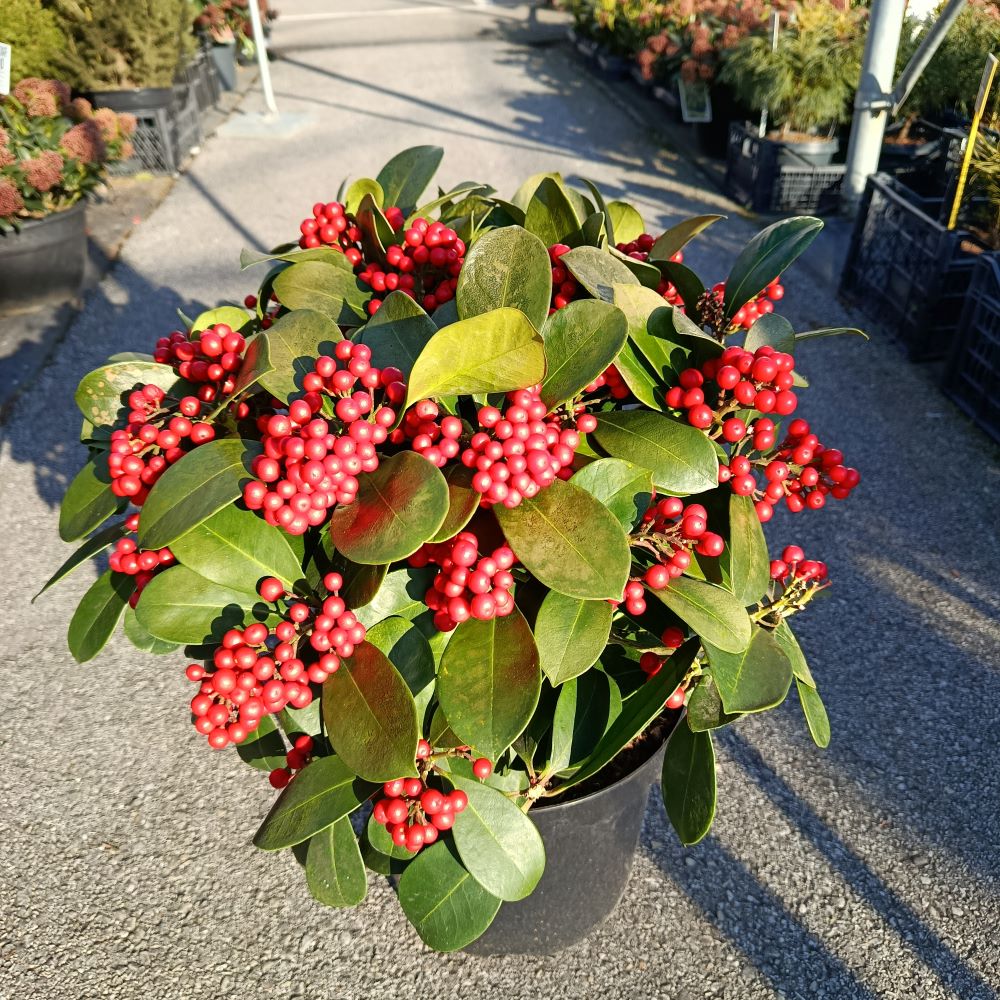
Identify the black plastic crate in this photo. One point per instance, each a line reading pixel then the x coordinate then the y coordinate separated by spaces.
pixel 906 270
pixel 200 75
pixel 972 379
pixel 757 179
pixel 165 133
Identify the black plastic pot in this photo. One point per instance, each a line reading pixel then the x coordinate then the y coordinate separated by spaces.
pixel 44 263
pixel 139 100
pixel 713 136
pixel 224 61
pixel 612 66
pixel 589 848
pixel 813 153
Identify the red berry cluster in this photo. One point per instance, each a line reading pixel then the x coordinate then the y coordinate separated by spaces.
pixel 425 266
pixel 652 663
pixel 761 380
pixel 639 249
pixel 143 564
pixel 151 440
pixel 259 670
pixel 611 380
pixel 671 529
pixel 565 288
pixel 211 357
pixel 763 304
pixel 520 450
pixel 437 440
pixel 311 463
pixel 467 585
pixel 330 225
pixel 793 565
pixel 295 760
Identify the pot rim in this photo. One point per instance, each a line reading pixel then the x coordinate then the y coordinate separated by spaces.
pixel 78 206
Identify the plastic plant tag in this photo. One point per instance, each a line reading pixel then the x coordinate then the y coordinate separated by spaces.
pixel 5 51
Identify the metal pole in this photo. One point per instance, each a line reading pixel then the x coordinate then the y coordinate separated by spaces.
pixel 262 63
pixel 870 103
pixel 925 52
pixel 762 130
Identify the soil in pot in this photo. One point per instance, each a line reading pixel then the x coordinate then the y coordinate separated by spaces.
pixel 799 149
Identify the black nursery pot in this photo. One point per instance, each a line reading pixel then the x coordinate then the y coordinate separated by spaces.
pixel 44 262
pixel 590 845
pixel 137 100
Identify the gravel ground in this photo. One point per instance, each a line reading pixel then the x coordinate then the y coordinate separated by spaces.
pixel 866 871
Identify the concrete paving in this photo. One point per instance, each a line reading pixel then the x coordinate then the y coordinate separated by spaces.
pixel 866 871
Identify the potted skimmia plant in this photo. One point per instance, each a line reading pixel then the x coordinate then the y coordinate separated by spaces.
pixel 460 523
pixel 53 152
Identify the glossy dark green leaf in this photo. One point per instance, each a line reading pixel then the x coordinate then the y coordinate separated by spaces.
pixel 90 548
pixel 766 256
pixel 787 641
pixel 584 711
pixel 704 707
pixel 640 305
pixel 180 605
pixel 581 340
pixel 602 207
pixel 570 541
pixel 448 908
pixel 593 233
pixel 399 506
pixel 571 634
pixel 335 873
pixel 625 489
pixel 323 287
pixel 815 713
pixel 688 286
pixel 289 349
pixel 293 255
pixel 236 548
pixel 142 639
pixel 357 190
pixel 232 316
pixel 597 271
pixel 99 394
pixel 680 457
pixel 405 177
pixel 831 331
pixel 410 653
pixel 625 220
pixel 402 593
pixel 301 721
pixel 88 502
pixel 316 798
pixel 370 717
pixel 376 230
pixel 397 333
pixel 265 747
pixel 463 501
pixel 463 192
pixel 747 560
pixel 638 712
pixel 550 214
pixel 644 382
pixel 717 616
pixel 445 314
pixel 381 840
pixel 496 352
pixel 772 330
pixel 98 614
pixel 677 237
pixel 498 844
pixel 755 679
pixel 689 784
pixel 527 190
pixel 489 680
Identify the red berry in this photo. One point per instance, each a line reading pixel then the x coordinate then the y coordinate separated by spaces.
pixel 482 768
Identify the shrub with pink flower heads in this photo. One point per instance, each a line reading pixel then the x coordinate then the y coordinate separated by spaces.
pixel 43 172
pixel 84 142
pixel 42 98
pixel 10 199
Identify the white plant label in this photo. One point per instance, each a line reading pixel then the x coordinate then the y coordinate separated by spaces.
pixel 4 68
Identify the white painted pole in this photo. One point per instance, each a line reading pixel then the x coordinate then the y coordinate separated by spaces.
pixel 262 63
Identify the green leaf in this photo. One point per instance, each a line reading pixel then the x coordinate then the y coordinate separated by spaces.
pixel 580 342
pixel 142 639
pixel 831 331
pixel 237 549
pixel 570 541
pixel 232 316
pixel 463 192
pixel 98 614
pixel 90 548
pixel 625 221
pixel 688 286
pixel 448 908
pixel 815 712
pixel 301 721
pixel 550 214
pixel 399 506
pixel 765 257
pixel 406 176
pixel 712 612
pixel 603 208
pixel 88 502
pixel 506 267
pixel 571 635
pixel 501 848
pixel 645 384
pixel 597 271
pixel 689 784
pixel 772 330
pixel 526 191
pixel 264 748
pixel 787 641
pixel 288 350
pixel 640 305
pixel 402 593
pixel 99 394
pixel 335 873
pixel 677 237
pixel 582 715
pixel 638 712
pixel 410 653
pixel 463 501
pixel 625 489
pixel 489 680
pixel 357 191
pixel 755 679
pixel 749 564
pixel 704 707
pixel 376 232
pixel 180 605
pixel 194 488
pixel 370 717
pixel 323 287
pixel 496 352
pixel 648 274
pixel 397 333
pixel 328 255
pixel 680 457
pixel 314 799
pixel 445 314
